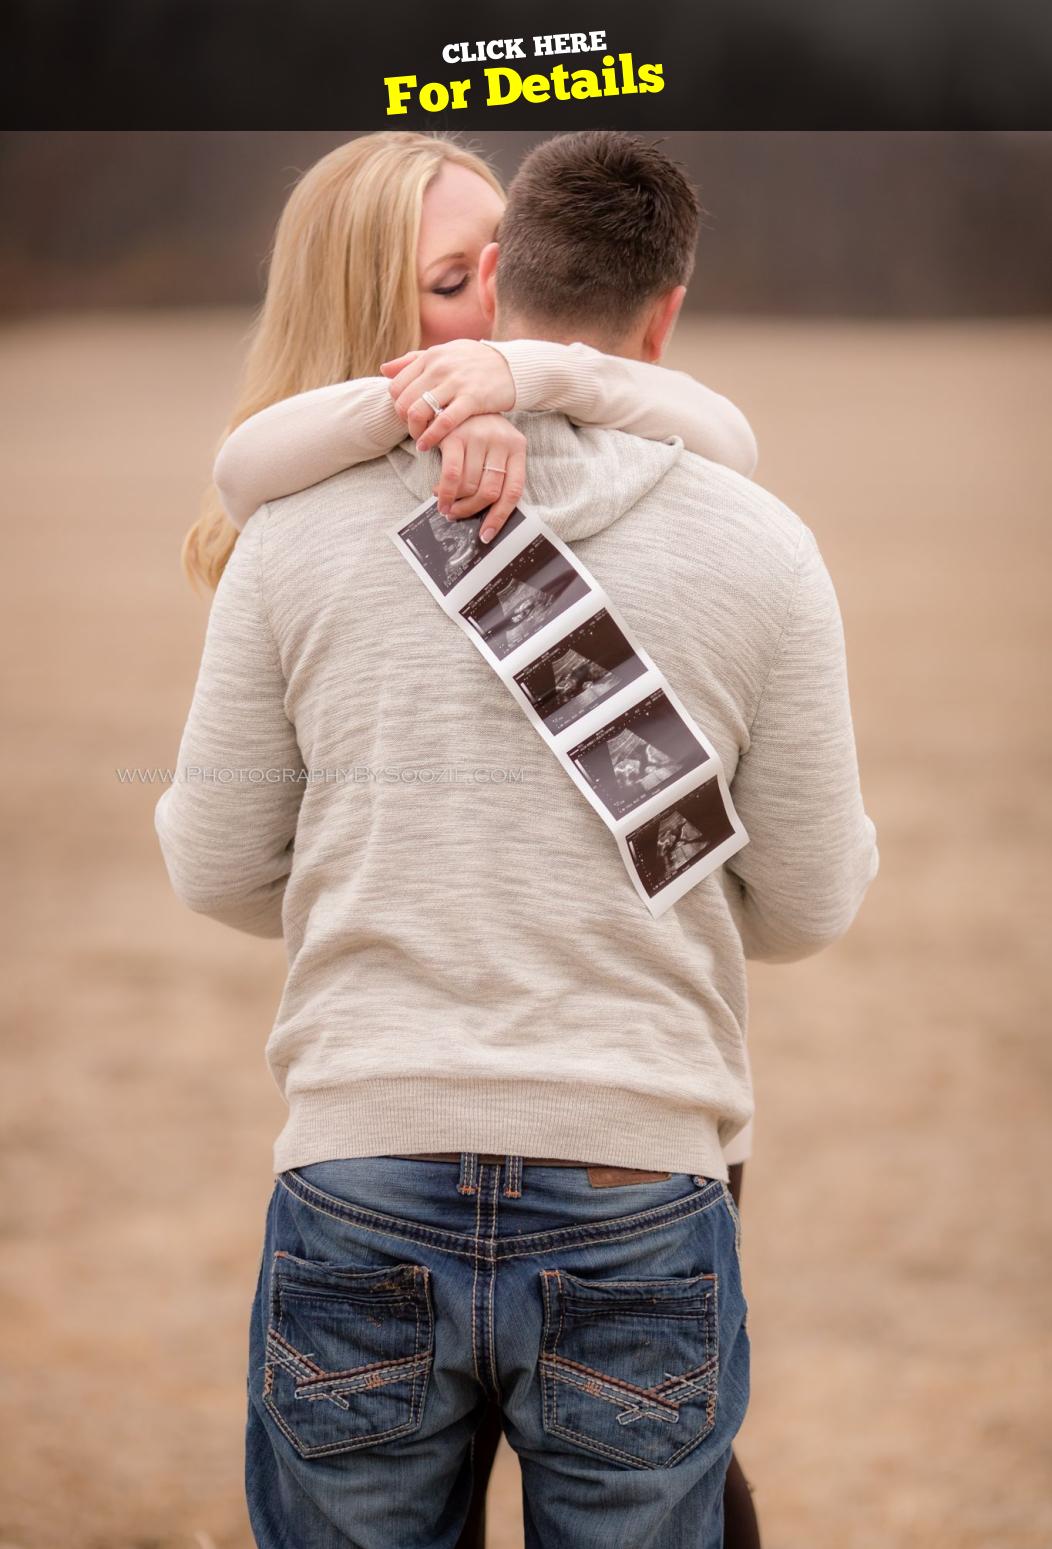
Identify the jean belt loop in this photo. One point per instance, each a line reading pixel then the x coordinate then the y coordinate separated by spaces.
pixel 512 1177
pixel 469 1173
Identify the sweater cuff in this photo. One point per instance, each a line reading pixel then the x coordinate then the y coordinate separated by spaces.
pixel 538 369
pixel 375 422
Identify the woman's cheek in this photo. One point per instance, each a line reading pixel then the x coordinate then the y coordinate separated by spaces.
pixel 430 333
pixel 442 320
pixel 472 323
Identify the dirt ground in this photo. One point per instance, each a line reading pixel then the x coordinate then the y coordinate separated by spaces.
pixel 896 1211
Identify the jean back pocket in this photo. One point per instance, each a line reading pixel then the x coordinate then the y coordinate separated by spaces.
pixel 349 1352
pixel 630 1368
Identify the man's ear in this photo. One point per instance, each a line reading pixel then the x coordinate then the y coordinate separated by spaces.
pixel 660 324
pixel 488 281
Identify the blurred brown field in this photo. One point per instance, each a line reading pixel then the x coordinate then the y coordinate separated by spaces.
pixel 896 1211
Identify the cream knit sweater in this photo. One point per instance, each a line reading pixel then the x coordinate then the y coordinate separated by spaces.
pixel 306 438
pixel 467 968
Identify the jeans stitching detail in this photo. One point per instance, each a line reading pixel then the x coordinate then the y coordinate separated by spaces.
pixel 478 1257
pixel 554 1368
pixel 416 1367
pixel 736 1218
pixel 525 1248
pixel 619 1228
pixel 491 1290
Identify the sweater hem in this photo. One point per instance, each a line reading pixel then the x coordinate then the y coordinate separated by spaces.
pixel 570 1120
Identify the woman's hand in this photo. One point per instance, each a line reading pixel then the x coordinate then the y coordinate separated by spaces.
pixel 466 376
pixel 483 464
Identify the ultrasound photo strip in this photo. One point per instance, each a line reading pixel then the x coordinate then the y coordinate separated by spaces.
pixel 606 711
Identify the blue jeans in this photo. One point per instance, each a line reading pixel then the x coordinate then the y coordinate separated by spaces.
pixel 396 1297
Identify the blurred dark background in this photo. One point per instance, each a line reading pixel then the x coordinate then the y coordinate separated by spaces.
pixel 867 223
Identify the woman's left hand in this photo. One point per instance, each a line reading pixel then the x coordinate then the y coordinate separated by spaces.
pixel 483 464
pixel 466 376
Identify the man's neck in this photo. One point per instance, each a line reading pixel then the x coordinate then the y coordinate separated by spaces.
pixel 532 328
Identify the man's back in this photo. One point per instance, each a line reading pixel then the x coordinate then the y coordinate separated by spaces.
pixel 468 963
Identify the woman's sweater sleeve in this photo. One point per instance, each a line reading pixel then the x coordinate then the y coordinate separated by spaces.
pixel 307 438
pixel 301 440
pixel 591 388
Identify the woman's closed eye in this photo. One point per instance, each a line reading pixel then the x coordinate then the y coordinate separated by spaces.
pixel 451 290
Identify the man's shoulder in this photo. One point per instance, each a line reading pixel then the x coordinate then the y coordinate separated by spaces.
pixel 331 524
pixel 691 479
pixel 744 516
pixel 726 487
pixel 370 480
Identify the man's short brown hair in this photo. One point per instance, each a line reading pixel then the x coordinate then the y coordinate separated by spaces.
pixel 596 225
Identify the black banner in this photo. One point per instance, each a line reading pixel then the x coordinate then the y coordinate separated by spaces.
pixel 530 64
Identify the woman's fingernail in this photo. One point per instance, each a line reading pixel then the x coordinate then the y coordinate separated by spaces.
pixel 486 534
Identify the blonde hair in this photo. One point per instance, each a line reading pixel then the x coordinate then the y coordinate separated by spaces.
pixel 342 292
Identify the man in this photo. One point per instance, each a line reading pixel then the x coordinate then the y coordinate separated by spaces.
pixel 502 1176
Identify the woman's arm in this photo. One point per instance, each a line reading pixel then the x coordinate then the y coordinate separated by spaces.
pixel 581 382
pixel 654 402
pixel 311 436
pixel 302 440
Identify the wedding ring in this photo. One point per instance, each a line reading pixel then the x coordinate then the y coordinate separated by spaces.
pixel 489 468
pixel 431 401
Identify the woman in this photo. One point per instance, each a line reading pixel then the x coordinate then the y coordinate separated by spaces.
pixel 374 266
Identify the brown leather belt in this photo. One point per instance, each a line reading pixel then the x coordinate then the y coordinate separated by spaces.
pixel 599 1174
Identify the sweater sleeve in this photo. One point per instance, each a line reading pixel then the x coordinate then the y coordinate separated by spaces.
pixel 301 440
pixel 591 388
pixel 812 850
pixel 227 823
